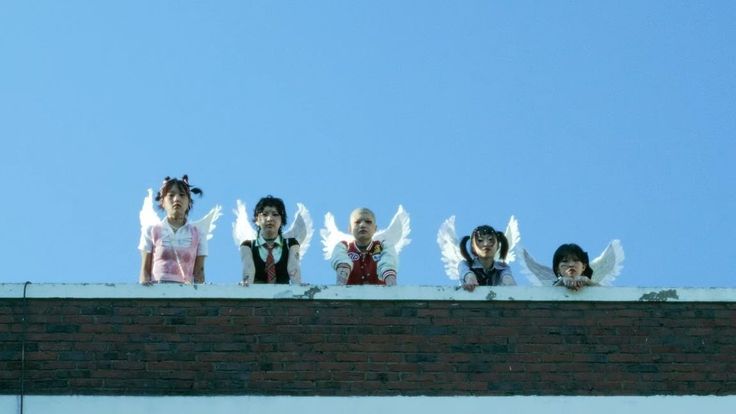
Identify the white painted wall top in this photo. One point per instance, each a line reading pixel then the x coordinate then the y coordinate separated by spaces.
pixel 393 293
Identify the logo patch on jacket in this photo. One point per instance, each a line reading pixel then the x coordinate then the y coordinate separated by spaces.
pixel 377 252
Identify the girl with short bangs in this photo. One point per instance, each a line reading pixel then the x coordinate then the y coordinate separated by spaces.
pixel 173 250
pixel 572 267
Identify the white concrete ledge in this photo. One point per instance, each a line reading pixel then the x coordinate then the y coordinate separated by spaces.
pixel 332 292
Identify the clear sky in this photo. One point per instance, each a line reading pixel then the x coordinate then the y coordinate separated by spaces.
pixel 588 120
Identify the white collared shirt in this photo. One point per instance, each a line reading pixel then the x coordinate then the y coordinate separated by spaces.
pixel 293 266
pixel 505 271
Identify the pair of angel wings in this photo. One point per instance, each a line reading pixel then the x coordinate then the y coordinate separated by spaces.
pixel 606 267
pixel 396 234
pixel 450 247
pixel 205 225
pixel 301 228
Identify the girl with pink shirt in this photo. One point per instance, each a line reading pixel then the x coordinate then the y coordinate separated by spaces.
pixel 173 250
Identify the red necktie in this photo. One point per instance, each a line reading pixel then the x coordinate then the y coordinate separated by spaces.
pixel 270 266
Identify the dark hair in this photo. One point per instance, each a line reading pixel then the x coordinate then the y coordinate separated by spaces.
pixel 271 201
pixel 484 230
pixel 571 250
pixel 182 185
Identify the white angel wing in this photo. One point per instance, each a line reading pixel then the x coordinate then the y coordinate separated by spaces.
pixel 538 274
pixel 609 264
pixel 147 215
pixel 330 236
pixel 242 229
pixel 449 248
pixel 397 232
pixel 206 224
pixel 514 237
pixel 301 229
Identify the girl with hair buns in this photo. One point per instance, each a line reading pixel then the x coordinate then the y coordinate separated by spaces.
pixel 173 250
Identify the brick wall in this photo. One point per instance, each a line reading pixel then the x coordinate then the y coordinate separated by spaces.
pixel 367 347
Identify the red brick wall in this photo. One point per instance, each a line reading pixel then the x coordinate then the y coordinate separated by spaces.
pixel 322 347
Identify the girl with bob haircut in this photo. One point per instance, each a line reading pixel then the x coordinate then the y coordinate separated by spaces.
pixel 173 250
pixel 572 266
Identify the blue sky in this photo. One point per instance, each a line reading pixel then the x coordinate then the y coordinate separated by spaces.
pixel 588 120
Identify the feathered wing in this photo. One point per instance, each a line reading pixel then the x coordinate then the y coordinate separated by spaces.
pixel 608 265
pixel 330 236
pixel 514 237
pixel 206 225
pixel 397 232
pixel 242 229
pixel 449 248
pixel 301 229
pixel 147 215
pixel 538 274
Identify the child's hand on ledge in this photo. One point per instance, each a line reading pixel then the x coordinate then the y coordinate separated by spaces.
pixel 470 282
pixel 575 282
